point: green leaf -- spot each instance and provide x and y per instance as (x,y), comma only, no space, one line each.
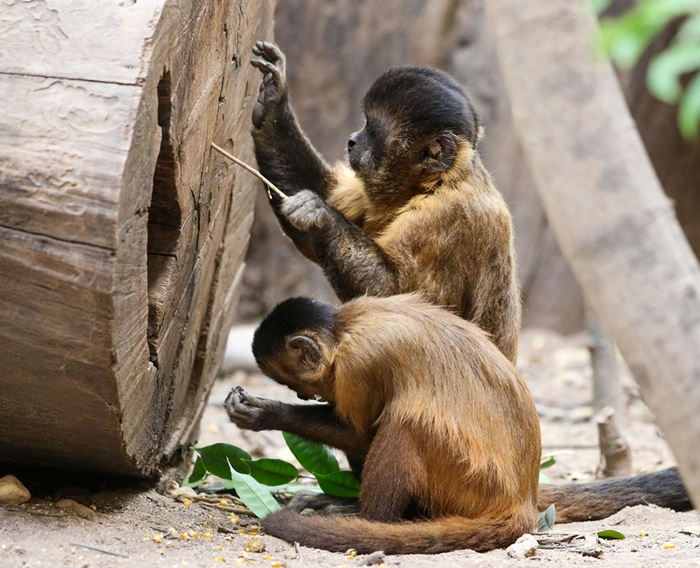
(665,70)
(313,457)
(549,462)
(198,473)
(689,110)
(255,496)
(271,472)
(340,483)
(610,534)
(545,522)
(216,458)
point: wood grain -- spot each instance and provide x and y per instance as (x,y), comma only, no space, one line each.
(122,234)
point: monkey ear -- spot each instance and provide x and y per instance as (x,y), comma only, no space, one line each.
(440,153)
(308,350)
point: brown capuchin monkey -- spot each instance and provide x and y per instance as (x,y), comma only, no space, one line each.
(449,429)
(416,212)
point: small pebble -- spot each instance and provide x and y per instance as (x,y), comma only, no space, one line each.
(12,492)
(525,547)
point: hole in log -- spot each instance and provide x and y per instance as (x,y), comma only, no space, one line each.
(164,223)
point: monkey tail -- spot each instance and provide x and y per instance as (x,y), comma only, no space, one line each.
(338,534)
(600,499)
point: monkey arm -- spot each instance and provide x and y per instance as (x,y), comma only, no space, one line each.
(284,154)
(353,262)
(315,422)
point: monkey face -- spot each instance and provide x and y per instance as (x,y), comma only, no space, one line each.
(417,121)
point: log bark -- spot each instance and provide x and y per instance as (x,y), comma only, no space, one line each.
(122,234)
(606,206)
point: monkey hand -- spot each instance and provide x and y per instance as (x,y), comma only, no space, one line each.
(274,83)
(307,210)
(246,411)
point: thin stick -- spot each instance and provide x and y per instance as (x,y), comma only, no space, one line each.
(298,549)
(252,170)
(98,549)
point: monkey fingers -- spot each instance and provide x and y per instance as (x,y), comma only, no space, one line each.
(306,210)
(246,411)
(274,83)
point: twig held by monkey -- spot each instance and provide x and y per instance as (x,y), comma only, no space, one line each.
(458,454)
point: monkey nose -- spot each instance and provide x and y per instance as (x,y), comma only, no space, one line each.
(352,141)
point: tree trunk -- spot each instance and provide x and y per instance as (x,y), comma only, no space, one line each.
(122,234)
(606,206)
(551,296)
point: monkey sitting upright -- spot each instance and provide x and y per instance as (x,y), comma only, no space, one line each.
(417,212)
(449,428)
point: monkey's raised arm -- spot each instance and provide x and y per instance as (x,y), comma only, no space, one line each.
(353,262)
(315,422)
(284,154)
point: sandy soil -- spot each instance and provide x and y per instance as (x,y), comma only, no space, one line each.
(128,518)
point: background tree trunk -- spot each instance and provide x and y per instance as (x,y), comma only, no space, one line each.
(607,208)
(122,234)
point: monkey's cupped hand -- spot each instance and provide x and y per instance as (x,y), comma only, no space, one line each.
(307,210)
(245,411)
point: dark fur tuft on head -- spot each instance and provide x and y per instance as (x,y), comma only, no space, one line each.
(289,318)
(435,101)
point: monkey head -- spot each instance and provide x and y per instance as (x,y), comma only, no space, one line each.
(295,345)
(418,124)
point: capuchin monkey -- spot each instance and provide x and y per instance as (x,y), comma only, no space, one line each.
(449,430)
(416,211)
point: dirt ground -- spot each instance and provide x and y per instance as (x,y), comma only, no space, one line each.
(129,519)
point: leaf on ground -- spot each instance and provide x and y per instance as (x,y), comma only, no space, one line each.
(340,484)
(271,471)
(256,497)
(545,522)
(548,462)
(313,457)
(216,458)
(198,473)
(610,534)
(694,530)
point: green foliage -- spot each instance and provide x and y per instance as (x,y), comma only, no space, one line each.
(245,475)
(545,522)
(314,458)
(198,473)
(626,37)
(610,534)
(217,457)
(255,496)
(340,483)
(547,461)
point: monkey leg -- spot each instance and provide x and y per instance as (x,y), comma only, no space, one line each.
(315,422)
(394,476)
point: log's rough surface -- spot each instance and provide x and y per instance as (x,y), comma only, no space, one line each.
(122,234)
